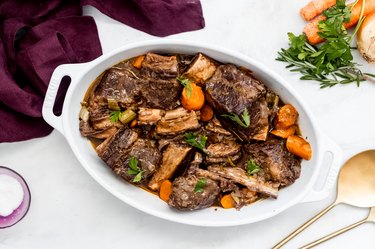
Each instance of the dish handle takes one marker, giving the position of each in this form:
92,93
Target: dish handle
333,171
53,87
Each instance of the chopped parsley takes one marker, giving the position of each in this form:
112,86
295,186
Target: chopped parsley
252,167
243,121
201,183
134,169
114,116
186,83
195,141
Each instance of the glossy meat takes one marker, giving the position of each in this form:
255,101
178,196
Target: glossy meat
184,197
230,90
277,162
173,156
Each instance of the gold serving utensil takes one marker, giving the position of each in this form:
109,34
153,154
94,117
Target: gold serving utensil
356,187
370,218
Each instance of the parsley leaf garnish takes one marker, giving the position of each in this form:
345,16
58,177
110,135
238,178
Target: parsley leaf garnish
114,116
186,83
244,122
201,183
134,169
252,167
195,141
332,62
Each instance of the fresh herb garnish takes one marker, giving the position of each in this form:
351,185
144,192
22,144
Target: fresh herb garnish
252,167
195,141
186,83
201,183
114,116
244,122
134,169
332,62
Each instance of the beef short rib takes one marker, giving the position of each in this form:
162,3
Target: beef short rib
230,90
272,155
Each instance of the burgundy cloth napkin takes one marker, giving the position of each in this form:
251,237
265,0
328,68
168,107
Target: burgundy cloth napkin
37,36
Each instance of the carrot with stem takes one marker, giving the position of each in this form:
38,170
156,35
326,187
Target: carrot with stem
315,8
312,29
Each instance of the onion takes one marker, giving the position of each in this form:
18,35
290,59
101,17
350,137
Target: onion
22,209
366,39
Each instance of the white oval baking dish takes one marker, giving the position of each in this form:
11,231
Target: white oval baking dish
82,75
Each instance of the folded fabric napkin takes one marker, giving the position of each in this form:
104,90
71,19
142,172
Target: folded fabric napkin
37,36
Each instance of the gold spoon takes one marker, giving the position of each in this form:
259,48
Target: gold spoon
356,187
370,218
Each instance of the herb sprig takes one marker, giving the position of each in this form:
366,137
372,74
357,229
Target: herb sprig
331,63
252,167
195,141
199,186
243,121
186,83
135,170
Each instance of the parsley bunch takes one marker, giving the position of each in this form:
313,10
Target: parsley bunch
332,62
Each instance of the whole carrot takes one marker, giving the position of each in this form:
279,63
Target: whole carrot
311,29
315,8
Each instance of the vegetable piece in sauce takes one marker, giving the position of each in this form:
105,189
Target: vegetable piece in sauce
299,147
192,97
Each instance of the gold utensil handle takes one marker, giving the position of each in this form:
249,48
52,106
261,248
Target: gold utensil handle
304,226
330,236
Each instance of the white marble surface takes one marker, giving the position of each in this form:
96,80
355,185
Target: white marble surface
70,210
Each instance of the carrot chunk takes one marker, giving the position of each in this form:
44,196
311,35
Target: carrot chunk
165,190
286,117
193,98
227,201
138,61
299,147
285,133
206,113
133,123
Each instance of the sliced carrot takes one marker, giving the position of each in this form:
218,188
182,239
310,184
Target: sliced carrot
165,190
193,100
206,113
138,61
133,123
299,147
227,201
311,29
315,7
286,117
285,133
